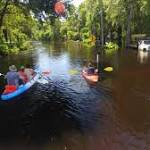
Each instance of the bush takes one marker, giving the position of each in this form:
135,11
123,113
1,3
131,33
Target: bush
4,49
85,36
70,35
7,48
25,45
14,50
111,47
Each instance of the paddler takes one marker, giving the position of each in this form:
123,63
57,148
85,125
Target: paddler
22,75
12,77
29,72
90,69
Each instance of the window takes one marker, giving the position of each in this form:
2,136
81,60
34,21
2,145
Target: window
147,42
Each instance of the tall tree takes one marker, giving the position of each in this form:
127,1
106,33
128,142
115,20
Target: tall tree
3,11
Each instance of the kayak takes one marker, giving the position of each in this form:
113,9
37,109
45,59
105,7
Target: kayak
92,78
108,69
21,89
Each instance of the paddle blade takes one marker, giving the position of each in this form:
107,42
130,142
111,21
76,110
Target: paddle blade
2,74
108,69
42,81
73,72
46,72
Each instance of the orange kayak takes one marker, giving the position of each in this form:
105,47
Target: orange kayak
90,77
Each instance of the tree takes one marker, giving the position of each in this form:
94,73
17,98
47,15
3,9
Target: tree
3,10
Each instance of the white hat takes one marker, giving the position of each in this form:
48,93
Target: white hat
12,68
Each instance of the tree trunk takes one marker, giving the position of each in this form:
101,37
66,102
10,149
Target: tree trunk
128,32
3,12
110,33
5,32
119,32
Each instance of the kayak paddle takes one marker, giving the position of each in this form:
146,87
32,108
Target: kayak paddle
2,74
73,72
46,72
44,77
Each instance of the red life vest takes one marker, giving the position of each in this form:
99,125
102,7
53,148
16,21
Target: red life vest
23,76
9,89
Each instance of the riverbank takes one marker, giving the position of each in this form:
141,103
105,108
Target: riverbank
7,48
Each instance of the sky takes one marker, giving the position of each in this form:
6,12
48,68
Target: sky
77,2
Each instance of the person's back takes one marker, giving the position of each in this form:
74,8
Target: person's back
12,76
22,74
29,72
90,69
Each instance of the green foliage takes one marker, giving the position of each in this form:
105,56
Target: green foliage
111,47
21,21
46,33
73,35
63,32
122,18
25,45
7,48
4,49
16,30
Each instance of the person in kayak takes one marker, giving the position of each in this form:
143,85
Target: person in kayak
22,75
12,76
90,69
29,72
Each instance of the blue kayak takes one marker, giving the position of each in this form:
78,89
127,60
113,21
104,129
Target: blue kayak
21,89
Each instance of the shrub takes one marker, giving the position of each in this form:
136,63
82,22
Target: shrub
25,45
111,47
4,49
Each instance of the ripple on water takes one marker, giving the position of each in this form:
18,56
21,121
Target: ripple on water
68,113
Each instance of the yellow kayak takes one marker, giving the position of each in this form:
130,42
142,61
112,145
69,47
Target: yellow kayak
108,69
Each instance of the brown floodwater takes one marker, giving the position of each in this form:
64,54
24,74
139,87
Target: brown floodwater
65,112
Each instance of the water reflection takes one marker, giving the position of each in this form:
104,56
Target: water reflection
142,56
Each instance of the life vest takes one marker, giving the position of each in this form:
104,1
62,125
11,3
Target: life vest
9,89
23,76
91,70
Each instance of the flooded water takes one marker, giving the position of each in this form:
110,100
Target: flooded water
64,112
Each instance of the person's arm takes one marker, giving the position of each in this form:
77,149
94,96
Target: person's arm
96,70
6,76
18,75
